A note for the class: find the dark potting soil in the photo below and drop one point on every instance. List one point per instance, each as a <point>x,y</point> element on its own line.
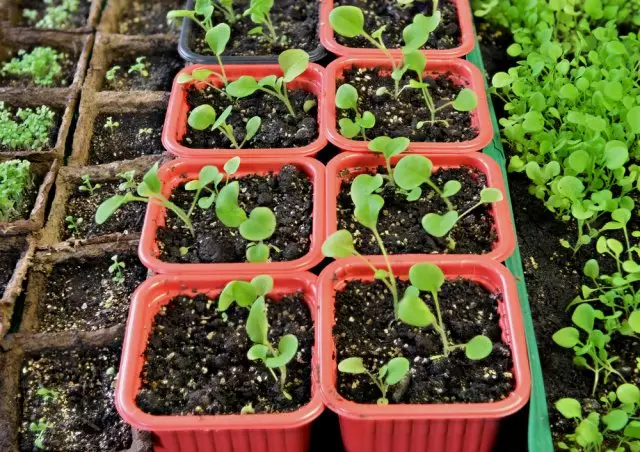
<point>138,134</point>
<point>399,118</point>
<point>278,129</point>
<point>146,18</point>
<point>63,79</point>
<point>196,359</point>
<point>554,277</point>
<point>400,226</point>
<point>378,13</point>
<point>365,327</point>
<point>75,20</point>
<point>289,194</point>
<point>162,69</point>
<point>81,295</point>
<point>79,413</point>
<point>81,204</point>
<point>295,24</point>
<point>53,132</point>
<point>494,41</point>
<point>8,260</point>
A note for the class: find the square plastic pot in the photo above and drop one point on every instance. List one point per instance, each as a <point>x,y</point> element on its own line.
<point>461,71</point>
<point>63,102</point>
<point>283,432</point>
<point>178,172</point>
<point>467,39</point>
<point>190,56</point>
<point>470,427</point>
<point>25,246</point>
<point>348,165</point>
<point>45,172</point>
<point>175,125</point>
<point>14,18</point>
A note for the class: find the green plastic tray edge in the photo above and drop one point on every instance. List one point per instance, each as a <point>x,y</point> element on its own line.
<point>539,431</point>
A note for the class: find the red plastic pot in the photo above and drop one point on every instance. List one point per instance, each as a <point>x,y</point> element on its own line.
<point>179,171</point>
<point>348,165</point>
<point>461,71</point>
<point>286,432</point>
<point>175,124</point>
<point>460,427</point>
<point>467,42</point>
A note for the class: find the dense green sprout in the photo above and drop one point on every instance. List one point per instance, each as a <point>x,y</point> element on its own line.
<point>15,180</point>
<point>42,65</point>
<point>27,129</point>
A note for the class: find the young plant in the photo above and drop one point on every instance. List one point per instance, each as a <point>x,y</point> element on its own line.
<point>47,394</point>
<point>27,128</point>
<point>39,428</point>
<point>15,180</point>
<point>141,67</point>
<point>204,117</point>
<point>111,124</point>
<point>259,12</point>
<point>73,223</point>
<point>42,65</point>
<point>203,12</point>
<point>55,16</point>
<point>87,186</point>
<point>413,311</point>
<point>111,73</point>
<point>117,270</point>
<point>347,99</point>
<point>128,180</point>
<point>390,374</point>
<point>293,63</point>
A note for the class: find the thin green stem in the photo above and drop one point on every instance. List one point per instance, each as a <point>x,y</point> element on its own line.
<point>223,74</point>
<point>392,279</point>
<point>286,99</point>
<point>469,210</point>
<point>382,389</point>
<point>441,330</point>
<point>439,192</point>
<point>371,266</point>
<point>390,171</point>
<point>380,46</point>
<point>272,31</point>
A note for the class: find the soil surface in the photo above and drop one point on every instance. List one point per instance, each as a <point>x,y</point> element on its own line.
<point>196,359</point>
<point>63,79</point>
<point>81,294</point>
<point>365,327</point>
<point>399,117</point>
<point>79,413</point>
<point>400,226</point>
<point>295,24</point>
<point>289,194</point>
<point>76,20</point>
<point>387,13</point>
<point>53,133</point>
<point>278,129</point>
<point>138,134</point>
<point>161,68</point>
<point>81,204</point>
<point>147,18</point>
<point>8,260</point>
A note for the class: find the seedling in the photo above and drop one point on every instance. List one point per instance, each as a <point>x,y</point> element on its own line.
<point>87,186</point>
<point>390,374</point>
<point>73,223</point>
<point>248,409</point>
<point>128,180</point>
<point>141,67</point>
<point>293,62</point>
<point>244,293</point>
<point>47,394</point>
<point>145,131</point>
<point>111,124</point>
<point>111,73</point>
<point>27,129</point>
<point>42,65</point>
<point>56,16</point>
<point>203,12</point>
<point>39,428</point>
<point>259,12</point>
<point>15,180</point>
<point>347,99</point>
<point>117,270</point>
<point>204,117</point>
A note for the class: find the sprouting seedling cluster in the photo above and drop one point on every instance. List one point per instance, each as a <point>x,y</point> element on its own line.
<point>259,12</point>
<point>42,65</point>
<point>141,66</point>
<point>347,99</point>
<point>208,191</point>
<point>204,117</point>
<point>116,269</point>
<point>26,128</point>
<point>251,295</point>
<point>15,180</point>
<point>388,375</point>
<point>87,186</point>
<point>110,124</point>
<point>55,16</point>
<point>73,223</point>
<point>39,427</point>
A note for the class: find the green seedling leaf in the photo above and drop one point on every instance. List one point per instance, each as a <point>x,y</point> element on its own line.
<point>352,366</point>
<point>242,87</point>
<point>616,154</point>
<point>209,174</point>
<point>339,245</point>
<point>263,284</point>
<point>258,352</point>
<point>478,348</point>
<point>389,147</point>
<point>367,121</point>
<point>257,326</point>
<point>615,420</point>
<point>413,311</point>
<point>201,74</point>
<point>227,208</point>
<point>241,292</point>
<point>347,21</point>
<point>202,117</point>
<point>416,34</point>
<point>397,368</point>
<point>222,118</point>
<point>260,225</point>
<point>466,100</point>
<point>621,215</point>
<point>253,124</point>
<point>633,119</point>
<point>184,78</point>
<point>347,97</point>
<point>363,186</point>
<point>268,81</point>
<point>489,195</point>
<point>367,211</point>
<point>566,337</point>
<point>108,207</point>
<point>287,349</point>
<point>412,171</point>
<point>258,253</point>
<point>634,321</point>
<point>584,317</point>
<point>569,408</point>
<point>414,194</point>
<point>632,430</point>
<point>231,166</point>
<point>293,63</point>
<point>218,37</point>
<point>451,188</point>
<point>592,269</point>
<point>439,225</point>
<point>415,61</point>
<point>426,276</point>
<point>628,393</point>
<point>348,128</point>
